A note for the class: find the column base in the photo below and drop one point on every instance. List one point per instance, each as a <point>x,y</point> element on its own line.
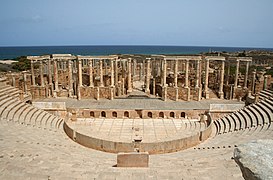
<point>234,93</point>
<point>97,93</point>
<point>221,95</point>
<point>111,93</point>
<point>123,86</point>
<point>147,91</point>
<point>129,90</point>
<point>164,93</point>
<point>79,93</point>
<point>207,94</point>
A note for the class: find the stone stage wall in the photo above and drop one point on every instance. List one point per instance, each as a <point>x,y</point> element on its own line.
<point>129,113</point>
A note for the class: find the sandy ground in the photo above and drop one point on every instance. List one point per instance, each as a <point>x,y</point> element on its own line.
<point>7,61</point>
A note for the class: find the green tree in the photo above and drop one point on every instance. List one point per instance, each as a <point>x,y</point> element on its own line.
<point>22,64</point>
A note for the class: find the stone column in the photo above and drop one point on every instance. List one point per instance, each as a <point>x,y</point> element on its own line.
<point>101,74</point>
<point>80,72</point>
<point>32,73</point>
<point>112,93</point>
<point>105,67</point>
<point>134,68</point>
<point>148,76</point>
<point>206,88</point>
<point>91,83</point>
<point>164,84</point>
<point>41,74</point>
<point>265,82</point>
<point>161,71</point>
<point>246,74</point>
<point>129,76</point>
<point>236,74</point>
<point>197,74</point>
<point>253,81</point>
<point>164,74</point>
<point>112,73</point>
<point>116,72</point>
<point>154,85</point>
<point>55,71</point>
<point>175,79</point>
<point>198,80</point>
<point>79,63</point>
<point>49,72</point>
<point>175,73</point>
<point>187,74</point>
<point>222,71</point>
<point>25,81</point>
<point>140,71</point>
<point>70,82</point>
<point>228,73</point>
<point>187,80</point>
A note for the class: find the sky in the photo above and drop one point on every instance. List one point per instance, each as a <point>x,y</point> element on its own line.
<point>228,23</point>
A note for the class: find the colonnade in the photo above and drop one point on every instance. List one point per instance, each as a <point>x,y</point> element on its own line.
<point>65,71</point>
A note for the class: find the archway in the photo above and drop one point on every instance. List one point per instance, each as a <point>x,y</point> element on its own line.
<point>183,114</point>
<point>161,114</point>
<point>172,114</point>
<point>126,114</point>
<point>150,114</point>
<point>92,114</point>
<point>103,114</point>
<point>114,114</point>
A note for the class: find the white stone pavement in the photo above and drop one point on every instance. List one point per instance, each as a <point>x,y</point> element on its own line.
<point>147,103</point>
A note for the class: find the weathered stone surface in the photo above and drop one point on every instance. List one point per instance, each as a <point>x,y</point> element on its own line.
<point>255,159</point>
<point>133,159</point>
<point>50,105</point>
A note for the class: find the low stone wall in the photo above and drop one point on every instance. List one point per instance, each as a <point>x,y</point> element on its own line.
<point>55,108</point>
<point>158,147</point>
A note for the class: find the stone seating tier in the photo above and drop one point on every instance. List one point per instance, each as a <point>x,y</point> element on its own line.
<point>254,115</point>
<point>12,109</point>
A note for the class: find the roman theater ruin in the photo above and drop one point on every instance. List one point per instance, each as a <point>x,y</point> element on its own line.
<point>165,116</point>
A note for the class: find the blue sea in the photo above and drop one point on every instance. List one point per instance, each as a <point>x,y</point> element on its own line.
<point>13,52</point>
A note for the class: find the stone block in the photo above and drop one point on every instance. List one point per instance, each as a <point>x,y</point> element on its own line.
<point>255,159</point>
<point>133,159</point>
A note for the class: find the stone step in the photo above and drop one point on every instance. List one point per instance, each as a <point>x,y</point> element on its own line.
<point>14,111</point>
<point>243,116</point>
<point>259,116</point>
<point>266,113</point>
<point>5,106</point>
<point>10,108</point>
<point>252,119</point>
<point>5,89</point>
<point>21,113</point>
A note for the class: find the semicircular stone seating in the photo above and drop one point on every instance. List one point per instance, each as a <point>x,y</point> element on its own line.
<point>30,152</point>
<point>249,123</point>
<point>12,109</point>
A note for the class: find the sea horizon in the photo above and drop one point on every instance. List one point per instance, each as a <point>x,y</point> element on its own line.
<point>11,52</point>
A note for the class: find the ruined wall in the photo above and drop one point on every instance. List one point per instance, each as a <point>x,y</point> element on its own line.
<point>171,93</point>
<point>88,92</point>
<point>182,93</point>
